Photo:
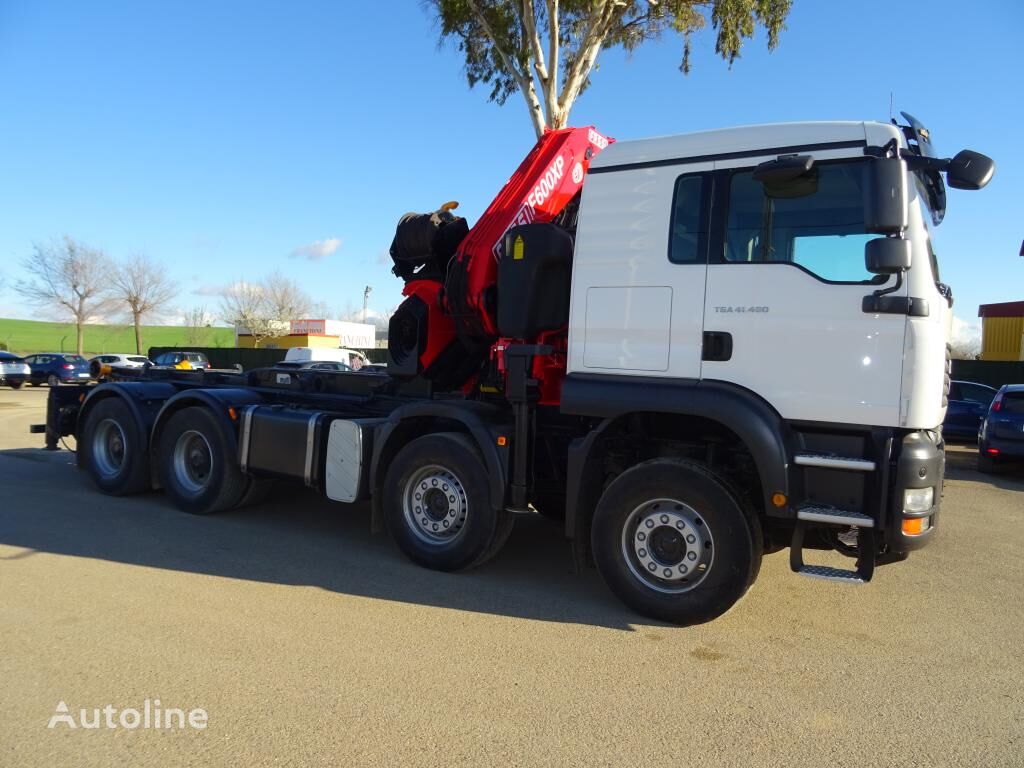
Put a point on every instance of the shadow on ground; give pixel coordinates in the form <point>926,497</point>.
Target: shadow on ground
<point>296,537</point>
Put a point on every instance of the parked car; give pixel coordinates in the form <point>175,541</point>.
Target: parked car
<point>1002,432</point>
<point>322,366</point>
<point>116,361</point>
<point>185,361</point>
<point>13,370</point>
<point>54,368</point>
<point>374,368</point>
<point>968,404</point>
<point>295,357</point>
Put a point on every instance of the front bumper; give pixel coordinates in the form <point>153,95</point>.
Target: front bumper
<point>919,463</point>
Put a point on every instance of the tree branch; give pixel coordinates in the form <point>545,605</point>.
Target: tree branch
<point>525,82</point>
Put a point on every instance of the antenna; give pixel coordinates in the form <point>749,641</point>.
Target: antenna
<point>890,107</point>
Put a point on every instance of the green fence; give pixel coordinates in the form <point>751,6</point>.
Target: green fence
<point>229,357</point>
<point>995,373</point>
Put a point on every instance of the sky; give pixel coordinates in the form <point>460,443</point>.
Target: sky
<point>228,140</point>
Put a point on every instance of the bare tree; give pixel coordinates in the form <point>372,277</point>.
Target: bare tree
<point>285,299</point>
<point>197,320</point>
<point>70,278</point>
<point>265,308</point>
<point>144,288</point>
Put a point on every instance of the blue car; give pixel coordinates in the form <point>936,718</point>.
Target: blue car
<point>968,404</point>
<point>1002,432</point>
<point>55,368</point>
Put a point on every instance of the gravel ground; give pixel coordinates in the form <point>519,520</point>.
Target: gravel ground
<point>309,642</point>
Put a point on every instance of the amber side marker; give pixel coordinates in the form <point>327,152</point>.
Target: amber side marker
<point>502,441</point>
<point>779,499</point>
<point>914,525</point>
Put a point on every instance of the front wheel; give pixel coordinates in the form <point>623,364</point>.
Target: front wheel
<point>437,506</point>
<point>674,543</point>
<point>52,381</point>
<point>16,384</point>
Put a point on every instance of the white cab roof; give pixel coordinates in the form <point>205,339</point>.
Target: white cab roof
<point>742,139</point>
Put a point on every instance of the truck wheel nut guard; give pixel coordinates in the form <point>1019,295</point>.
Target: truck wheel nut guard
<point>434,504</point>
<point>667,545</point>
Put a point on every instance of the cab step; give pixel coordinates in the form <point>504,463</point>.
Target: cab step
<point>832,574</point>
<point>829,461</point>
<point>866,546</point>
<point>834,516</point>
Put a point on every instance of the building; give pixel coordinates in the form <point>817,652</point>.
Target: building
<point>321,334</point>
<point>1002,330</point>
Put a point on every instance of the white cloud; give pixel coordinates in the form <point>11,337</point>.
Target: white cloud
<point>316,250</point>
<point>965,338</point>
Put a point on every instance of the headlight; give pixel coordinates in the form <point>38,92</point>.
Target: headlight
<point>918,499</point>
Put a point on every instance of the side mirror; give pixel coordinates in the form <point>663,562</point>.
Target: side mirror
<point>885,196</point>
<point>887,255</point>
<point>970,170</point>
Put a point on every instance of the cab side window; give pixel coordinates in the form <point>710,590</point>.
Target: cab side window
<point>815,222</point>
<point>689,225</point>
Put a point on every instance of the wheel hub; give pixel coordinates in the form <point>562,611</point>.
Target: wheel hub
<point>109,447</point>
<point>434,504</point>
<point>667,545</point>
<point>193,461</point>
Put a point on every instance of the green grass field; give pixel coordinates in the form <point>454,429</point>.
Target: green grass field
<point>26,336</point>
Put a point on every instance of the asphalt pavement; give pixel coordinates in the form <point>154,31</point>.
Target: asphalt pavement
<point>307,641</point>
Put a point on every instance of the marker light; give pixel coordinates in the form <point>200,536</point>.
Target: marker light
<point>916,525</point>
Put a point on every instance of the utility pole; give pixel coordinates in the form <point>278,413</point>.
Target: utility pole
<point>366,298</point>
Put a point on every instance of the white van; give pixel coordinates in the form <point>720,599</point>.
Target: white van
<point>297,357</point>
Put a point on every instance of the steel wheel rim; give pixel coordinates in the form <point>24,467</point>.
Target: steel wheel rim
<point>109,446</point>
<point>434,505</point>
<point>668,546</point>
<point>193,461</point>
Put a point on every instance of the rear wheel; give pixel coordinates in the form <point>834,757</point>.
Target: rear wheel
<point>198,463</point>
<point>112,450</point>
<point>16,384</point>
<point>437,506</point>
<point>52,380</point>
<point>674,543</point>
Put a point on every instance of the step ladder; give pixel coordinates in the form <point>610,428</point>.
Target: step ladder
<point>812,513</point>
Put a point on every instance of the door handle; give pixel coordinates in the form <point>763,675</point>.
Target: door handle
<point>717,346</point>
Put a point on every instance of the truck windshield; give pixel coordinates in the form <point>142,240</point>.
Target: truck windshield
<point>815,223</point>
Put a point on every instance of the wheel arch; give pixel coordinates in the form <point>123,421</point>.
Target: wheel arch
<point>143,399</point>
<point>477,421</point>
<point>616,399</point>
<point>219,402</point>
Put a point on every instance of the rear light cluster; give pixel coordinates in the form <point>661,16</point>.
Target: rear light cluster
<point>997,404</point>
<point>68,367</point>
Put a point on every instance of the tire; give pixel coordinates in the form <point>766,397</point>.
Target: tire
<point>463,529</point>
<point>36,383</point>
<point>197,462</point>
<point>112,450</point>
<point>257,489</point>
<point>16,384</point>
<point>986,464</point>
<point>52,381</point>
<point>680,521</point>
<point>94,369</point>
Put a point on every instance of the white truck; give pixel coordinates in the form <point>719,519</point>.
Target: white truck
<point>691,351</point>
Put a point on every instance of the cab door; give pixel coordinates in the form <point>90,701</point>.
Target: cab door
<point>785,285</point>
<point>640,263</point>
